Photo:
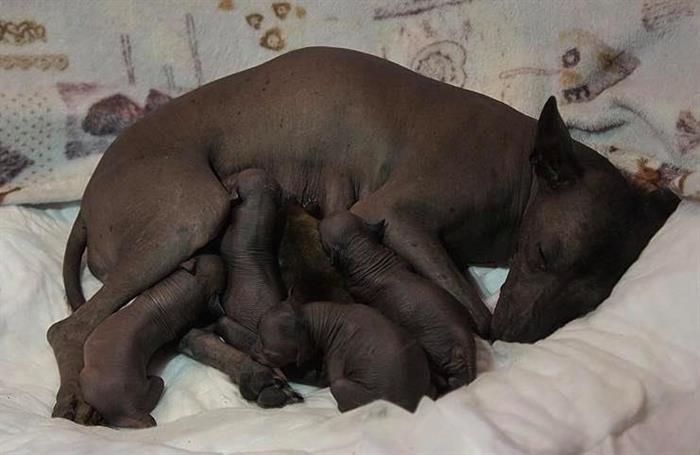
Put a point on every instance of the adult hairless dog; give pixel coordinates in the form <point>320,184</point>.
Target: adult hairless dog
<point>457,177</point>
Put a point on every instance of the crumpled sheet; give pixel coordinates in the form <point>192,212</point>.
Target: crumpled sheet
<point>625,379</point>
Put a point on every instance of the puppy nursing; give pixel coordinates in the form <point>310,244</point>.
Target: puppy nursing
<point>378,277</point>
<point>365,356</point>
<point>114,379</point>
<point>406,338</point>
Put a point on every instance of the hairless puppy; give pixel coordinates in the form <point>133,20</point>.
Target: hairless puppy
<point>116,355</point>
<point>249,249</point>
<point>304,266</point>
<point>303,262</point>
<point>366,356</point>
<point>378,277</point>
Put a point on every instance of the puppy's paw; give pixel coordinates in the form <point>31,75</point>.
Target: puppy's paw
<point>460,370</point>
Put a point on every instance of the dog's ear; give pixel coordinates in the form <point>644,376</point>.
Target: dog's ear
<point>303,340</point>
<point>656,206</point>
<point>553,155</point>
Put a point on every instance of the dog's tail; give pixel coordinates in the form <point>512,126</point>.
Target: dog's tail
<point>77,241</point>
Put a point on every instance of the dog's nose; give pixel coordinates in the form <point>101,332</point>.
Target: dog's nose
<point>514,329</point>
<point>508,326</point>
<point>501,321</point>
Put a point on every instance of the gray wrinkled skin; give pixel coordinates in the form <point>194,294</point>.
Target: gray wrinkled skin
<point>114,379</point>
<point>377,277</point>
<point>365,356</point>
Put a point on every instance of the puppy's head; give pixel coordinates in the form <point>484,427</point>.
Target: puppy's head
<point>282,338</point>
<point>340,230</point>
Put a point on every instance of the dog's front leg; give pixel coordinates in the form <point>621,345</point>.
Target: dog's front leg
<point>257,383</point>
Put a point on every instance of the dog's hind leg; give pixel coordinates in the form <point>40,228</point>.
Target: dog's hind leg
<point>67,338</point>
<point>165,238</point>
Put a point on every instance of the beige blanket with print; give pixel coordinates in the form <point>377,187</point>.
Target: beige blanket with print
<point>73,74</point>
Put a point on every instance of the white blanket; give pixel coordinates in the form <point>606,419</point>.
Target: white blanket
<point>625,379</point>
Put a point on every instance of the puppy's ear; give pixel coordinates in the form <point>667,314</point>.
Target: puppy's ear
<point>302,337</point>
<point>377,229</point>
<point>553,155</point>
<point>331,253</point>
<point>190,266</point>
<point>234,196</point>
<point>301,354</point>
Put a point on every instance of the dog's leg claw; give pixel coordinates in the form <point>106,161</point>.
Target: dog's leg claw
<point>277,395</point>
<point>261,384</point>
<point>70,405</point>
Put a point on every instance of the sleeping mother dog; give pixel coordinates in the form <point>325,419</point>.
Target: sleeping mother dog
<point>455,177</point>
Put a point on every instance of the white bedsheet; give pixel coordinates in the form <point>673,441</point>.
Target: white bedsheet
<point>625,379</point>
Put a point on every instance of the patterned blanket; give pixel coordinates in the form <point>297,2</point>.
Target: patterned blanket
<point>74,73</point>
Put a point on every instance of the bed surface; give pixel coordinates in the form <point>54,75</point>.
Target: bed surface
<point>625,379</point>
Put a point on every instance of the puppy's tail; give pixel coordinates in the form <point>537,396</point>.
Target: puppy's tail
<point>77,241</point>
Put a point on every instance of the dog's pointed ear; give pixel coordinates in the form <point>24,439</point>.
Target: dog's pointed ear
<point>377,229</point>
<point>553,155</point>
<point>656,206</point>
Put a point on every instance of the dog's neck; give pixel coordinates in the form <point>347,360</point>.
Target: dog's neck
<point>526,192</point>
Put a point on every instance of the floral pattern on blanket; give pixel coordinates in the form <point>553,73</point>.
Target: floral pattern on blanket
<point>623,72</point>
<point>95,115</point>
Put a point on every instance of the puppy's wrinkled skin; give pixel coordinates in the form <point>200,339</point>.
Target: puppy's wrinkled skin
<point>378,277</point>
<point>304,264</point>
<point>114,379</point>
<point>249,249</point>
<point>452,178</point>
<point>366,356</point>
<point>306,268</point>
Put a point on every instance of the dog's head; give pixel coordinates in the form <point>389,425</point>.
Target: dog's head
<point>585,224</point>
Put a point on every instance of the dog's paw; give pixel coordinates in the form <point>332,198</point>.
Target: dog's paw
<point>277,395</point>
<point>457,370</point>
<point>261,384</point>
<point>71,405</point>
